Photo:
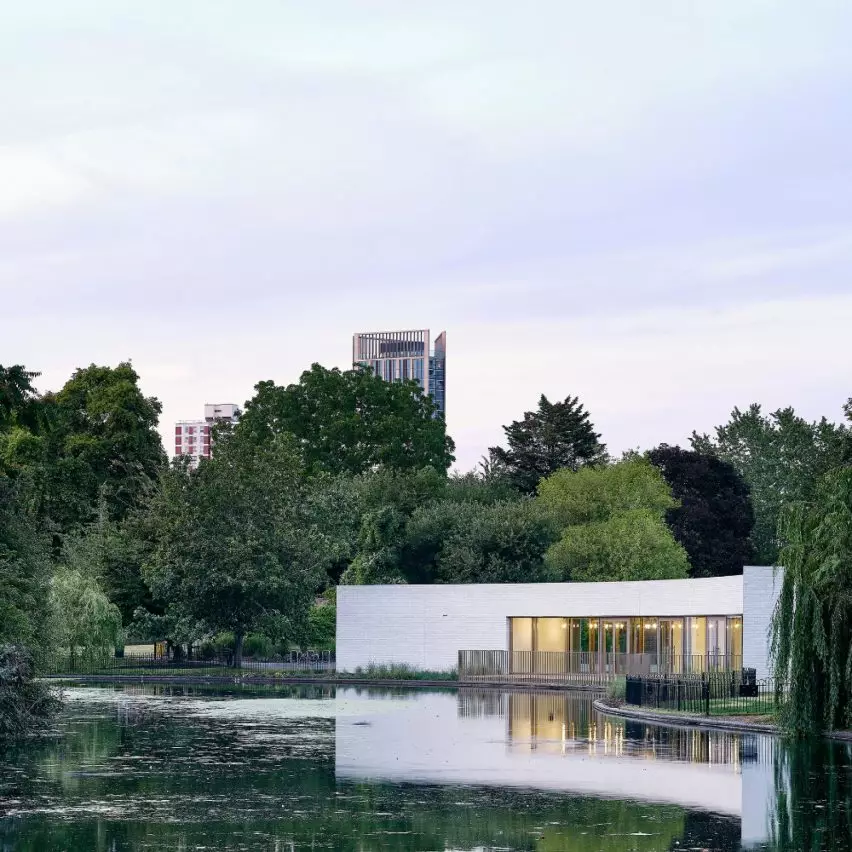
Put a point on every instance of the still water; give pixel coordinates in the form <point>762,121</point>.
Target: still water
<point>152,767</point>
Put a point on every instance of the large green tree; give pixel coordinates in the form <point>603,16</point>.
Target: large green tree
<point>557,435</point>
<point>24,568</point>
<point>238,546</point>
<point>715,518</point>
<point>631,545</point>
<point>612,524</point>
<point>350,421</point>
<point>103,445</point>
<point>812,626</point>
<point>781,457</point>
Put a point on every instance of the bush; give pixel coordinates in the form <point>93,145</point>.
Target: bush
<point>257,645</point>
<point>617,689</point>
<point>402,671</point>
<point>26,706</point>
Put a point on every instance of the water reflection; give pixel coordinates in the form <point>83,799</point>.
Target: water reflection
<point>351,769</point>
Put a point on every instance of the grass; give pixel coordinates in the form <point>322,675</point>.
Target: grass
<point>399,671</point>
<point>616,689</point>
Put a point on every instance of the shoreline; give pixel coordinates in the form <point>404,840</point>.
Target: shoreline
<point>252,680</point>
<point>691,720</point>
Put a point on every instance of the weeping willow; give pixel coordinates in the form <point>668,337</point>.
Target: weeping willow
<point>811,638</point>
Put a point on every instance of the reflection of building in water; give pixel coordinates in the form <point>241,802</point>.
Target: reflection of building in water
<point>551,721</point>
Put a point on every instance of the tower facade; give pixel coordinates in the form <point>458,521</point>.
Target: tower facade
<point>402,355</point>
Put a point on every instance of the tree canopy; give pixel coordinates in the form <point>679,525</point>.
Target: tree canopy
<point>714,518</point>
<point>812,626</point>
<point>350,421</point>
<point>558,435</point>
<point>237,548</point>
<point>781,457</point>
<point>612,524</point>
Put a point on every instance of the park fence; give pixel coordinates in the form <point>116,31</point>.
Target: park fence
<point>293,663</point>
<point>713,693</point>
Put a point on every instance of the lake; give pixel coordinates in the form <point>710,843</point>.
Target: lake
<point>160,767</point>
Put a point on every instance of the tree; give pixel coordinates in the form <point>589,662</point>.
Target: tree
<point>631,545</point>
<point>612,523</point>
<point>18,397</point>
<point>26,704</point>
<point>781,457</point>
<point>82,618</point>
<point>497,543</point>
<point>557,435</point>
<point>103,445</point>
<point>715,517</point>
<point>350,422</point>
<point>238,548</point>
<point>24,568</point>
<point>595,494</point>
<point>812,624</point>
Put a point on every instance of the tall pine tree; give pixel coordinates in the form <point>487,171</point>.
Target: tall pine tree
<point>558,435</point>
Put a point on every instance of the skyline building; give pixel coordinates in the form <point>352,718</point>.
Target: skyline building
<point>402,355</point>
<point>193,438</point>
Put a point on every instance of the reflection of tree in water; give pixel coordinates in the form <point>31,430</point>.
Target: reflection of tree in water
<point>153,779</point>
<point>813,783</point>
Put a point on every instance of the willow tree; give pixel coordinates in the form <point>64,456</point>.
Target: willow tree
<point>812,626</point>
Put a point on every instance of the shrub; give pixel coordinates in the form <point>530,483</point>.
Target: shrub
<point>617,689</point>
<point>257,645</point>
<point>402,671</point>
<point>26,706</point>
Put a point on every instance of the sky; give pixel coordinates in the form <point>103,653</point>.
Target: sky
<point>647,205</point>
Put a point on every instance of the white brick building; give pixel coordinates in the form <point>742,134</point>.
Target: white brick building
<point>600,625</point>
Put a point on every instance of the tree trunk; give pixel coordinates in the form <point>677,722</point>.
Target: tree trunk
<point>238,649</point>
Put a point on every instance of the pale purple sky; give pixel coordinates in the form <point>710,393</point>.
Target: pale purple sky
<point>646,204</point>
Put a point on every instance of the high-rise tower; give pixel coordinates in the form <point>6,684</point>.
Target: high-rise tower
<point>401,355</point>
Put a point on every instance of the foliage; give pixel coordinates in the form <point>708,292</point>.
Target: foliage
<point>26,705</point>
<point>18,398</point>
<point>558,435</point>
<point>781,457</point>
<point>616,690</point>
<point>596,494</point>
<point>631,545</point>
<point>237,545</point>
<point>350,422</point>
<point>812,625</point>
<point>82,617</point>
<point>400,671</point>
<point>714,520</point>
<point>612,524</point>
<point>450,542</point>
<point>497,543</point>
<point>24,568</point>
<point>104,444</point>
<point>322,622</point>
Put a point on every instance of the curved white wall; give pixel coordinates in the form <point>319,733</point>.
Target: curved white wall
<point>426,626</point>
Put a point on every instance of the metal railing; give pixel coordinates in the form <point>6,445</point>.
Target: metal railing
<point>714,693</point>
<point>588,668</point>
<point>294,662</point>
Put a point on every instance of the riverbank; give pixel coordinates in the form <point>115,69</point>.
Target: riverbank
<point>679,719</point>
<point>334,680</point>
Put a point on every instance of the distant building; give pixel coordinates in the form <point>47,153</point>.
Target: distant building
<point>401,355</point>
<point>193,438</point>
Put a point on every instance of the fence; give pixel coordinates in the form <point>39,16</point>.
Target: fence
<point>589,668</point>
<point>721,693</point>
<point>296,662</point>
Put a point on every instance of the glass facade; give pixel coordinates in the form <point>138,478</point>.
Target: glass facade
<point>676,644</point>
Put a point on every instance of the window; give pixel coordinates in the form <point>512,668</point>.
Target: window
<point>177,430</point>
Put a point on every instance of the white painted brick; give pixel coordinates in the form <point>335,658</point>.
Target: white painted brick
<point>761,588</point>
<point>426,626</point>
